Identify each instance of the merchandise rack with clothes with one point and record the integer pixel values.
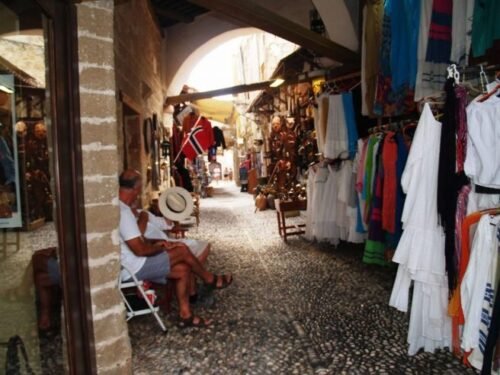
(381, 177)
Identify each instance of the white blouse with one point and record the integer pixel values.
(482, 163)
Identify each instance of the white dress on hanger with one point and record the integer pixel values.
(326, 228)
(344, 177)
(420, 252)
(336, 143)
(482, 162)
(477, 288)
(311, 173)
(320, 119)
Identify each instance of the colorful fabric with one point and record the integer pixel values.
(455, 305)
(485, 26)
(362, 147)
(361, 165)
(404, 37)
(371, 47)
(389, 160)
(461, 117)
(462, 200)
(374, 253)
(350, 119)
(434, 47)
(375, 246)
(368, 178)
(392, 239)
(439, 45)
(375, 231)
(383, 88)
(392, 100)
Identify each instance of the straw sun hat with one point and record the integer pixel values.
(176, 203)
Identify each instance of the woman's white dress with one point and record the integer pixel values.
(420, 252)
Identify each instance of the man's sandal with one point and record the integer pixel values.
(220, 281)
(194, 321)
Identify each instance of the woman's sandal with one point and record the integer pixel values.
(194, 321)
(226, 281)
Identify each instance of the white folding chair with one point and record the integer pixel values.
(147, 309)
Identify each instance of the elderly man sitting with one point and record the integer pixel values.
(157, 260)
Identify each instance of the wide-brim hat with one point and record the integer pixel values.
(176, 203)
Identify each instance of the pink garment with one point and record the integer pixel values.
(361, 167)
(389, 159)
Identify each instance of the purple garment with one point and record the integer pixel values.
(375, 231)
(461, 117)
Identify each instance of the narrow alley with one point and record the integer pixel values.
(294, 308)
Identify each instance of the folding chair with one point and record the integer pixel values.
(146, 308)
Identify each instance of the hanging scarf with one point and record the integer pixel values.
(449, 182)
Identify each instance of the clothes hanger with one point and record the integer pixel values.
(484, 79)
(355, 85)
(490, 94)
(453, 73)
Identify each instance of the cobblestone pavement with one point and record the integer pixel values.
(295, 308)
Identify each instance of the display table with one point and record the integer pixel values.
(282, 207)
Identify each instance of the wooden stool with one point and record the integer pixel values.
(281, 208)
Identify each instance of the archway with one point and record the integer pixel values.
(181, 74)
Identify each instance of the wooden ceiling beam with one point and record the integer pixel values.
(252, 14)
(168, 13)
(210, 94)
(337, 73)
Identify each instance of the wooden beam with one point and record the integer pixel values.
(173, 15)
(210, 94)
(337, 73)
(249, 13)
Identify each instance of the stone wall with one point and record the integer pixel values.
(99, 129)
(119, 50)
(138, 43)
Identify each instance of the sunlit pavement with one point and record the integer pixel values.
(294, 308)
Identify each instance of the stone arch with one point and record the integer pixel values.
(179, 74)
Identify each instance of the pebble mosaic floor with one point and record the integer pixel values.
(294, 308)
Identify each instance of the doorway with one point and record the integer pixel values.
(40, 236)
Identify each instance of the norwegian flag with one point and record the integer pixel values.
(199, 139)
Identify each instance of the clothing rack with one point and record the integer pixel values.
(353, 79)
(470, 69)
(459, 73)
(394, 126)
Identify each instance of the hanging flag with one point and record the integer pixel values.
(199, 139)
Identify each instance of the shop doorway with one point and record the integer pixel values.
(40, 237)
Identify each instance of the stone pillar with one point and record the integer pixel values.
(100, 165)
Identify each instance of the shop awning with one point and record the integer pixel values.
(217, 110)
